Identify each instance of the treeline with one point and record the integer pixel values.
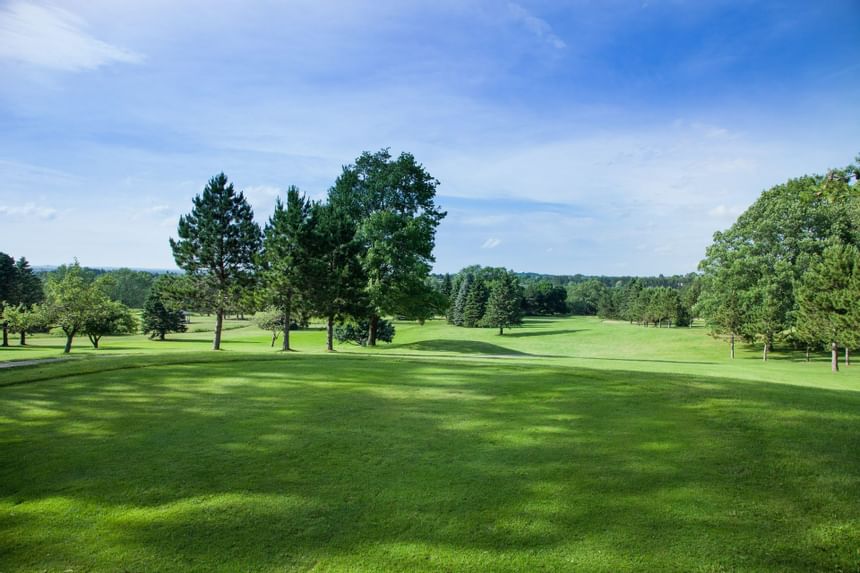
(632, 299)
(788, 270)
(130, 287)
(483, 297)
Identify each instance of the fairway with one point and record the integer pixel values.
(567, 444)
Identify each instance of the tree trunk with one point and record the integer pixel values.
(807, 354)
(219, 322)
(274, 338)
(94, 340)
(329, 338)
(371, 331)
(68, 347)
(5, 334)
(161, 335)
(501, 330)
(23, 338)
(834, 357)
(847, 357)
(286, 345)
(764, 352)
(733, 345)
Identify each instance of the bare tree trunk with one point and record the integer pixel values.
(219, 322)
(68, 347)
(733, 345)
(23, 338)
(274, 338)
(501, 330)
(94, 340)
(807, 354)
(5, 334)
(764, 352)
(371, 331)
(329, 339)
(834, 357)
(847, 357)
(161, 335)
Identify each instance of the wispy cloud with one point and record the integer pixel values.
(28, 210)
(54, 38)
(491, 243)
(537, 26)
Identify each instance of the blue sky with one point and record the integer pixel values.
(596, 137)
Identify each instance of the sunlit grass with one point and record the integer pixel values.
(568, 444)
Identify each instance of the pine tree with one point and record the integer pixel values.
(504, 305)
(458, 306)
(218, 242)
(161, 312)
(476, 302)
(286, 258)
(828, 300)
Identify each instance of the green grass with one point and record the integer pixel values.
(568, 444)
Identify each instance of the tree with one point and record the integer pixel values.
(504, 305)
(335, 278)
(359, 332)
(274, 321)
(70, 302)
(25, 320)
(476, 302)
(217, 244)
(286, 257)
(108, 317)
(393, 202)
(828, 300)
(458, 306)
(8, 290)
(583, 298)
(162, 311)
(129, 287)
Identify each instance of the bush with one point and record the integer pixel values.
(357, 332)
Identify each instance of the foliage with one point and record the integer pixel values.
(218, 242)
(358, 332)
(108, 317)
(543, 298)
(72, 304)
(162, 310)
(286, 259)
(504, 304)
(392, 202)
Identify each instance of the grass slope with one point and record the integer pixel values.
(569, 444)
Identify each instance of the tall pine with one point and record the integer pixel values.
(218, 242)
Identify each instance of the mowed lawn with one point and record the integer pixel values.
(567, 444)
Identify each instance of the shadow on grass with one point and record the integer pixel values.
(341, 463)
(460, 347)
(518, 333)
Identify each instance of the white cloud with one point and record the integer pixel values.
(262, 199)
(54, 38)
(28, 210)
(540, 28)
(722, 211)
(491, 243)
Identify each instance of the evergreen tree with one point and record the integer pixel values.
(217, 244)
(459, 305)
(8, 290)
(336, 279)
(162, 313)
(476, 302)
(828, 300)
(286, 258)
(504, 304)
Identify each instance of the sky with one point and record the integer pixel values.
(596, 137)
